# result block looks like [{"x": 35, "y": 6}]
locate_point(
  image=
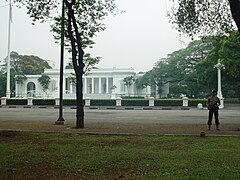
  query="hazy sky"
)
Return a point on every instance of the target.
[{"x": 138, "y": 38}]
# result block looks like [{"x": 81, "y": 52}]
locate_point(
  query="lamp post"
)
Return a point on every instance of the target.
[
  {"x": 61, "y": 120},
  {"x": 219, "y": 67}
]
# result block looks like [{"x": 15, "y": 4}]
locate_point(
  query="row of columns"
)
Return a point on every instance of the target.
[
  {"x": 86, "y": 85},
  {"x": 99, "y": 85}
]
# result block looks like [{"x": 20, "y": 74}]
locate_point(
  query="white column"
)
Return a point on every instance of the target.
[
  {"x": 71, "y": 87},
  {"x": 220, "y": 66},
  {"x": 17, "y": 89},
  {"x": 92, "y": 85},
  {"x": 100, "y": 85},
  {"x": 107, "y": 85}
]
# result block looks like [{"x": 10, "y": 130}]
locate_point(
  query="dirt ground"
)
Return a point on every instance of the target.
[{"x": 122, "y": 128}]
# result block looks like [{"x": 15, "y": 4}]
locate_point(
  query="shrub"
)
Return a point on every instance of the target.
[
  {"x": 232, "y": 100},
  {"x": 14, "y": 101},
  {"x": 195, "y": 102},
  {"x": 136, "y": 102},
  {"x": 103, "y": 102},
  {"x": 70, "y": 102},
  {"x": 44, "y": 102},
  {"x": 168, "y": 102}
]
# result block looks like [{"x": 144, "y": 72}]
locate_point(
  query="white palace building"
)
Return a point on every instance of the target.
[{"x": 100, "y": 83}]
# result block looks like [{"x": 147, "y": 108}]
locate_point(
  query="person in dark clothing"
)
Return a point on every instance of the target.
[{"x": 213, "y": 104}]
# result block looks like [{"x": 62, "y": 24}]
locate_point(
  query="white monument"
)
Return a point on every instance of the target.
[{"x": 219, "y": 67}]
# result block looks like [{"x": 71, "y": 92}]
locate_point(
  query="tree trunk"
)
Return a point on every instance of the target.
[
  {"x": 80, "y": 104},
  {"x": 235, "y": 10},
  {"x": 77, "y": 59}
]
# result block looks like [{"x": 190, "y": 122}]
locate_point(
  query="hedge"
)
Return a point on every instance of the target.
[
  {"x": 14, "y": 101},
  {"x": 44, "y": 102},
  {"x": 195, "y": 102},
  {"x": 69, "y": 102},
  {"x": 139, "y": 102},
  {"x": 125, "y": 102},
  {"x": 103, "y": 102},
  {"x": 168, "y": 102},
  {"x": 232, "y": 100}
]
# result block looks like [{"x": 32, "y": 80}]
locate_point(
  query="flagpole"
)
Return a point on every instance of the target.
[{"x": 8, "y": 91}]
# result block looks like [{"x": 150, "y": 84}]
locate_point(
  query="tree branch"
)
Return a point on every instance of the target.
[{"x": 235, "y": 10}]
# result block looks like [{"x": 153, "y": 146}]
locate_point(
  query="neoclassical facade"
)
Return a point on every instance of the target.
[{"x": 99, "y": 83}]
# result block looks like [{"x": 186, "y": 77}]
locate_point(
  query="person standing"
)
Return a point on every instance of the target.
[{"x": 213, "y": 104}]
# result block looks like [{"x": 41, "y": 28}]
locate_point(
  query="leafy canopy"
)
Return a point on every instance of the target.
[{"x": 202, "y": 17}]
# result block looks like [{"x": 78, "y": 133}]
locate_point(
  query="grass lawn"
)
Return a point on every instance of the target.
[{"x": 33, "y": 155}]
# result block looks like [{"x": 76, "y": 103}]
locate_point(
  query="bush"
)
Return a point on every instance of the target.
[
  {"x": 14, "y": 101},
  {"x": 103, "y": 102},
  {"x": 136, "y": 102},
  {"x": 44, "y": 102},
  {"x": 232, "y": 100},
  {"x": 168, "y": 102},
  {"x": 69, "y": 102},
  {"x": 125, "y": 102},
  {"x": 195, "y": 102}
]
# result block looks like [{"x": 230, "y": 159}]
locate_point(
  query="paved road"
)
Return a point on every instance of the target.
[{"x": 192, "y": 116}]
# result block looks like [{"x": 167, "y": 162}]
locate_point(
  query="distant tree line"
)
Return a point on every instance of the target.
[
  {"x": 21, "y": 65},
  {"x": 191, "y": 71}
]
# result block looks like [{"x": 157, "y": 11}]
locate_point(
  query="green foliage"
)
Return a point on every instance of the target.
[
  {"x": 44, "y": 80},
  {"x": 14, "y": 101},
  {"x": 89, "y": 62},
  {"x": 195, "y": 102},
  {"x": 3, "y": 82},
  {"x": 232, "y": 100},
  {"x": 44, "y": 102},
  {"x": 111, "y": 102},
  {"x": 130, "y": 97},
  {"x": 168, "y": 102},
  {"x": 128, "y": 80},
  {"x": 202, "y": 17},
  {"x": 69, "y": 102},
  {"x": 230, "y": 54},
  {"x": 135, "y": 102},
  {"x": 103, "y": 102},
  {"x": 191, "y": 71},
  {"x": 27, "y": 64},
  {"x": 32, "y": 64},
  {"x": 20, "y": 78}
]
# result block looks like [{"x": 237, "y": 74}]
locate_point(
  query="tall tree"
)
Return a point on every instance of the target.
[
  {"x": 26, "y": 64},
  {"x": 205, "y": 17},
  {"x": 84, "y": 20}
]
